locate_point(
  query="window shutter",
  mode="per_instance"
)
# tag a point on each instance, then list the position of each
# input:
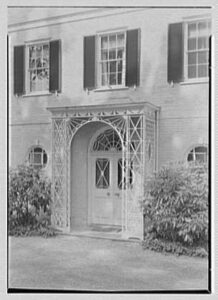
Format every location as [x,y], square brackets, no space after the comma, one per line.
[19,70]
[132,57]
[175,52]
[55,66]
[89,62]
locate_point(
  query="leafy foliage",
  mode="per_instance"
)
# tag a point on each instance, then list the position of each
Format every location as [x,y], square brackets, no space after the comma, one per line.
[29,202]
[176,207]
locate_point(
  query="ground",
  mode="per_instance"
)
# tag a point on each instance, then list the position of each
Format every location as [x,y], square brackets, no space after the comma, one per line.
[83,263]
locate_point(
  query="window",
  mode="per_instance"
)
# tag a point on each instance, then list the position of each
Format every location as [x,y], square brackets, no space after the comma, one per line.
[197,49]
[102,175]
[188,50]
[37,157]
[37,68]
[112,60]
[198,154]
[108,141]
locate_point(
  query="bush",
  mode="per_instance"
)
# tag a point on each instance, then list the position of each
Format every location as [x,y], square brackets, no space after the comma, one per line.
[29,202]
[176,207]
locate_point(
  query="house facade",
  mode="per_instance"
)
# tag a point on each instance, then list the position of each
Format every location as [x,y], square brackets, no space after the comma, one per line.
[101,98]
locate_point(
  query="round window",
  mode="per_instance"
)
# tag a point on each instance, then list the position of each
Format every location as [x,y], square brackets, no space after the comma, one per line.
[37,157]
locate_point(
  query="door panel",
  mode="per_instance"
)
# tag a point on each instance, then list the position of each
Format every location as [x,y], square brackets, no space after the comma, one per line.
[106,196]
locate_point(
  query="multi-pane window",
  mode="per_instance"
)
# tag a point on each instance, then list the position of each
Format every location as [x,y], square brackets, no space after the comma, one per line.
[198,154]
[38,67]
[112,59]
[198,48]
[37,157]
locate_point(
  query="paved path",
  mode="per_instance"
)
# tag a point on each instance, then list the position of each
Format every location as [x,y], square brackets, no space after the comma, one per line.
[79,263]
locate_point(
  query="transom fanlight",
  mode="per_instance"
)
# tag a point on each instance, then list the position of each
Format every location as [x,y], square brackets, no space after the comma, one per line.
[108,140]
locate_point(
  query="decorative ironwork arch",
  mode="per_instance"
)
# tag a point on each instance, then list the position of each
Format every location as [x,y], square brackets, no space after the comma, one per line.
[107,140]
[135,126]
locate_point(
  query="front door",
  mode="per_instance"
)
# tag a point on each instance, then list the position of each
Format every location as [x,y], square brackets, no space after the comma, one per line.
[106,196]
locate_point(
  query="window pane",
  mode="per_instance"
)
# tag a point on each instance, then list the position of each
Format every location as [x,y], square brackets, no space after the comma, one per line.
[192,30]
[104,67]
[37,158]
[104,55]
[113,67]
[119,78]
[33,81]
[38,51]
[201,149]
[112,54]
[191,71]
[120,40]
[112,41]
[112,79]
[191,44]
[104,42]
[203,43]
[120,53]
[32,63]
[192,58]
[202,28]
[44,159]
[120,65]
[102,173]
[202,70]
[104,80]
[45,51]
[190,157]
[202,57]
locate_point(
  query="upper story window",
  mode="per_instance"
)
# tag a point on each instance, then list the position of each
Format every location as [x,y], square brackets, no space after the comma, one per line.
[197,49]
[111,60]
[188,51]
[37,68]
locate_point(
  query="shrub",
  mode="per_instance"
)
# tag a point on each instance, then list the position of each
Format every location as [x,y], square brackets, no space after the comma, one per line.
[176,205]
[29,201]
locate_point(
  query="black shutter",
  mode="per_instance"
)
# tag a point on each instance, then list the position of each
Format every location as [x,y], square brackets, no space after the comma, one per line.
[19,70]
[55,66]
[132,57]
[175,52]
[89,62]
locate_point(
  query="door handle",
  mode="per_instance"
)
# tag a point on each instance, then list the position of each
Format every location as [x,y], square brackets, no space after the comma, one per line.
[117,194]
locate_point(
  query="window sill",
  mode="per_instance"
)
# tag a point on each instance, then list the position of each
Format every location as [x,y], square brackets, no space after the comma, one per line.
[36,94]
[195,81]
[108,89]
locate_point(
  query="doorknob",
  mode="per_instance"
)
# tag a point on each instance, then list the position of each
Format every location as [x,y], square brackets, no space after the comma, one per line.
[117,194]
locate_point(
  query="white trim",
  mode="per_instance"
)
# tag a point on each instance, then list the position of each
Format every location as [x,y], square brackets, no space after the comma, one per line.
[38,41]
[69,18]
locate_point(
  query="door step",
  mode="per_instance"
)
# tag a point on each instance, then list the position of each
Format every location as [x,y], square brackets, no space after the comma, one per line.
[105,228]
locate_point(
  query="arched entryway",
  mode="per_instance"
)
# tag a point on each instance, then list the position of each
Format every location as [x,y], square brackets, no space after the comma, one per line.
[105,178]
[72,131]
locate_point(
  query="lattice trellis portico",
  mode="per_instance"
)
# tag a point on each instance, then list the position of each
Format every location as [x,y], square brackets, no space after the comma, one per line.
[135,125]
